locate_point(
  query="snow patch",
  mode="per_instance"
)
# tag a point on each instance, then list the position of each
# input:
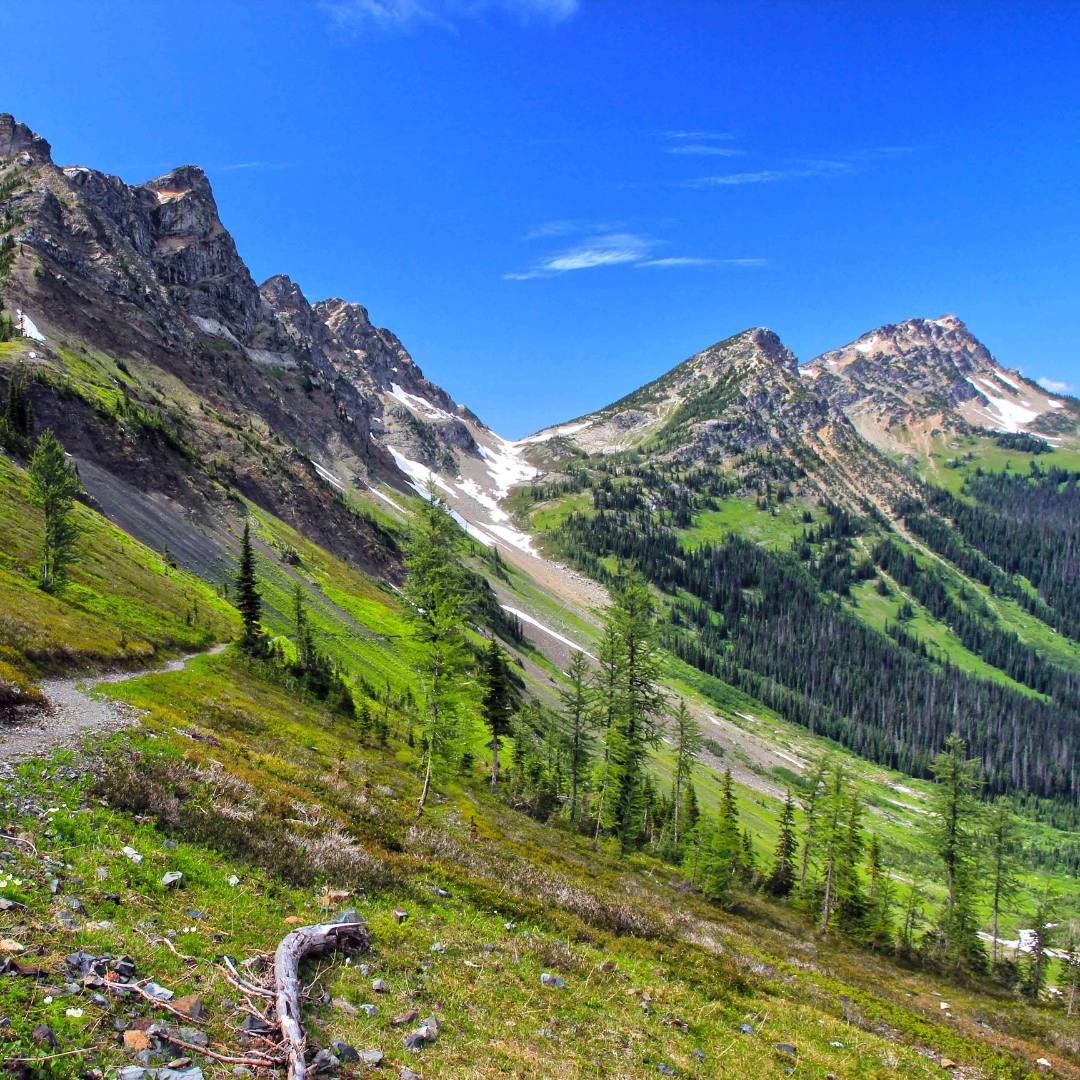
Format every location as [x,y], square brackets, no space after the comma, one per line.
[484,498]
[1005,379]
[420,476]
[27,327]
[1011,415]
[546,629]
[386,499]
[474,531]
[328,476]
[552,433]
[414,403]
[506,466]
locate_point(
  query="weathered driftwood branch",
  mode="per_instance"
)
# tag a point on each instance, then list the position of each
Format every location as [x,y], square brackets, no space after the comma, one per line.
[294,948]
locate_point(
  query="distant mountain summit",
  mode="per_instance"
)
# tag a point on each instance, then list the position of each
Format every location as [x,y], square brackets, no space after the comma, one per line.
[180,384]
[903,382]
[742,392]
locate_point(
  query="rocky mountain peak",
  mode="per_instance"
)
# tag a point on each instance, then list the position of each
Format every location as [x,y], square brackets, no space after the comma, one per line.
[349,321]
[920,376]
[19,141]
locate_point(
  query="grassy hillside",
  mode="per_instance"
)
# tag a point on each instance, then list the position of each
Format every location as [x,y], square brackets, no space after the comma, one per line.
[236,772]
[123,605]
[237,776]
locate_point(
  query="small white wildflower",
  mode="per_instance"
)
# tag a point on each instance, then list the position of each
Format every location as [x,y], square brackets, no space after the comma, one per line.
[48,999]
[73,1013]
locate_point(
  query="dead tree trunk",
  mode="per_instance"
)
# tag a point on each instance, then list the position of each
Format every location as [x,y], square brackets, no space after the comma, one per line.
[294,948]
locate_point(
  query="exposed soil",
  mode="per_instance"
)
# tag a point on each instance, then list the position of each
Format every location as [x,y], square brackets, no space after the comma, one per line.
[73,709]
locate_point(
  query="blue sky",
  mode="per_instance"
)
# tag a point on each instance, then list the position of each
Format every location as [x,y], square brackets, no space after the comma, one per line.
[552,201]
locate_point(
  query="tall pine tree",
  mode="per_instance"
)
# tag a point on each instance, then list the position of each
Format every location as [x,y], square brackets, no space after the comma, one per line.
[54,483]
[686,734]
[577,715]
[436,607]
[781,879]
[496,703]
[955,830]
[248,601]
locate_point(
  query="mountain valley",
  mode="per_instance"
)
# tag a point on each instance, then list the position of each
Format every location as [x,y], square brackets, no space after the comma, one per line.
[845,563]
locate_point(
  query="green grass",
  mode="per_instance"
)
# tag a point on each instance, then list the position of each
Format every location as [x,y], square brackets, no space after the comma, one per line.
[271,769]
[742,515]
[985,453]
[123,604]
[877,611]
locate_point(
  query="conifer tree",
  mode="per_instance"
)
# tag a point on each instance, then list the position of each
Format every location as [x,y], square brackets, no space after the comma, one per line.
[836,813]
[781,879]
[956,819]
[633,732]
[1041,938]
[1001,846]
[577,715]
[811,802]
[496,705]
[721,845]
[15,421]
[850,902]
[606,704]
[54,483]
[873,865]
[688,743]
[746,865]
[305,645]
[434,592]
[248,601]
[913,920]
[1071,976]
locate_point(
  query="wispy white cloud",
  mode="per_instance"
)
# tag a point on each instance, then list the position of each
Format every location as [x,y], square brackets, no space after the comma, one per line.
[239,166]
[678,260]
[606,249]
[569,227]
[699,136]
[1055,386]
[694,260]
[390,15]
[804,168]
[799,170]
[704,150]
[600,246]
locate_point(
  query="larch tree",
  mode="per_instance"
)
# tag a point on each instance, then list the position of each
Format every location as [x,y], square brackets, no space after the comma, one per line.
[634,732]
[1001,844]
[956,818]
[781,879]
[1042,932]
[577,715]
[811,803]
[496,703]
[54,484]
[435,599]
[686,733]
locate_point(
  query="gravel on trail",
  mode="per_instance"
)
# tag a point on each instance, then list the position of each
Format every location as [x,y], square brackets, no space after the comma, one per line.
[73,709]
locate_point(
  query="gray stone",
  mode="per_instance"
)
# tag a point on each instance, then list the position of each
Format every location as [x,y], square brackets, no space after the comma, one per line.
[556,981]
[344,1051]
